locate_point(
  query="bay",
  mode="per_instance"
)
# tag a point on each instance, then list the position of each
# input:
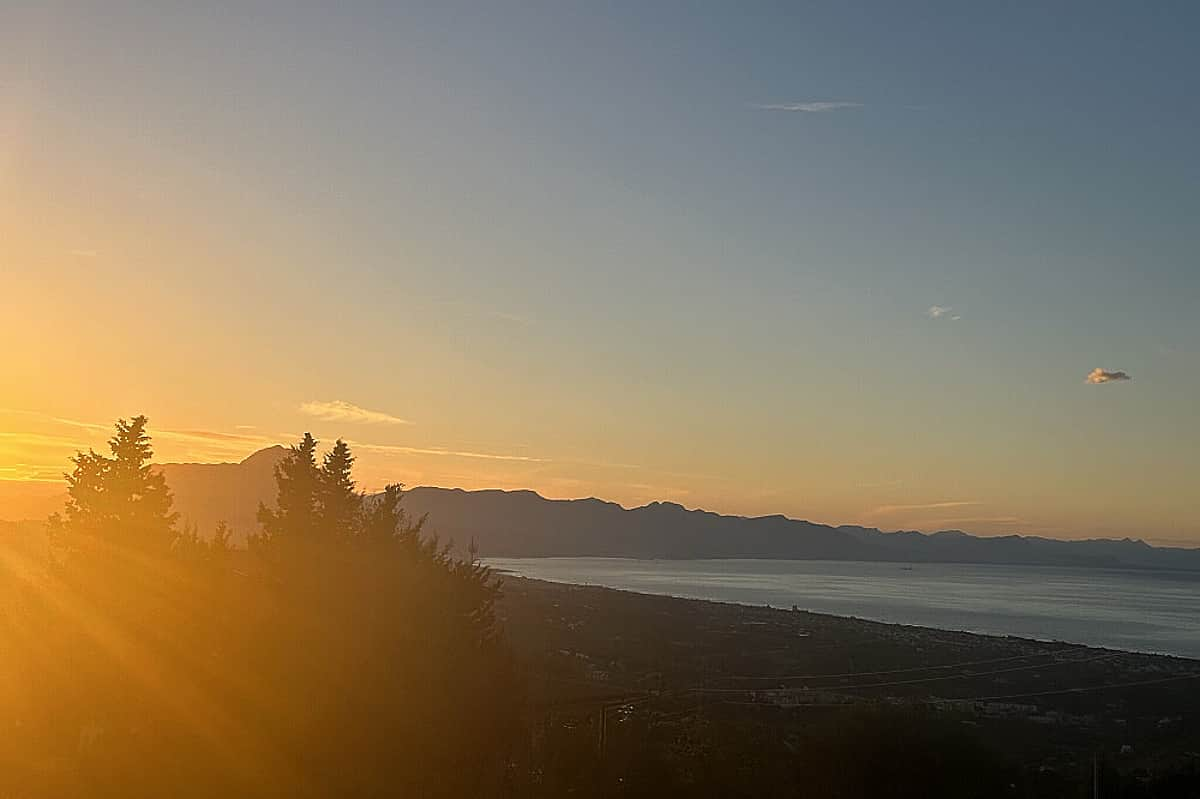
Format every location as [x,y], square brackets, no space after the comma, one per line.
[1141,611]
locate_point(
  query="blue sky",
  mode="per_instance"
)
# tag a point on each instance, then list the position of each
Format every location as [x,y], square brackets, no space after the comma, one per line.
[702,240]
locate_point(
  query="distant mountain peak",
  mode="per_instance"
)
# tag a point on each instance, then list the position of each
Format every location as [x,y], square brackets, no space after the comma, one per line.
[272,454]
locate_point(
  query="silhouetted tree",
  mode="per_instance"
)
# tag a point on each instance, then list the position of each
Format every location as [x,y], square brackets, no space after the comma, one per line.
[120,498]
[412,693]
[350,654]
[298,483]
[338,504]
[383,519]
[214,551]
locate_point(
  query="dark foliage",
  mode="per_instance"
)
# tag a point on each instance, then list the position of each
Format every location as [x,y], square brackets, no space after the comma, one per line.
[347,654]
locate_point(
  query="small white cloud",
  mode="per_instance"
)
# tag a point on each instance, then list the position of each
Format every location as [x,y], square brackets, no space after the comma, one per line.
[1098,376]
[342,411]
[820,107]
[938,311]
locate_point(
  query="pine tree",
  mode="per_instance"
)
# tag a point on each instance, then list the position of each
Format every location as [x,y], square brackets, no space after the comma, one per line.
[121,498]
[297,479]
[338,502]
[385,522]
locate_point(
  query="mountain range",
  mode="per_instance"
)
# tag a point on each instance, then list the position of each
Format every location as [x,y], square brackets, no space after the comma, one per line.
[525,524]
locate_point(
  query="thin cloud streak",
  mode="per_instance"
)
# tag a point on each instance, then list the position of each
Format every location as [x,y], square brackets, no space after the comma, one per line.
[23,473]
[213,435]
[75,423]
[886,509]
[402,450]
[820,107]
[342,411]
[969,520]
[222,441]
[40,439]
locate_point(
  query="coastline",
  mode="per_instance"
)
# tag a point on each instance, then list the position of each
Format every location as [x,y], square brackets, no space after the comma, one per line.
[1117,610]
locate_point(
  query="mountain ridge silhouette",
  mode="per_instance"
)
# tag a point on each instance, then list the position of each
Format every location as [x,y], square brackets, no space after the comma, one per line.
[522,523]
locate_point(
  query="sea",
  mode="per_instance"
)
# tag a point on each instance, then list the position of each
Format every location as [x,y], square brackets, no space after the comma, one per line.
[1140,611]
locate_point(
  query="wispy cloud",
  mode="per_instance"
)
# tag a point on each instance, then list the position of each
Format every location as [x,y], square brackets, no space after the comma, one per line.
[73,422]
[342,411]
[1098,376]
[55,438]
[83,253]
[453,453]
[233,441]
[883,510]
[819,107]
[25,473]
[44,440]
[942,312]
[972,520]
[212,435]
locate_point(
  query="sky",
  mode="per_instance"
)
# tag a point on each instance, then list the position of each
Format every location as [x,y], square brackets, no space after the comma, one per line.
[854,263]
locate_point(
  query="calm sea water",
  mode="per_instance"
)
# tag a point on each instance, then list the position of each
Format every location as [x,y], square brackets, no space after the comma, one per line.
[1133,610]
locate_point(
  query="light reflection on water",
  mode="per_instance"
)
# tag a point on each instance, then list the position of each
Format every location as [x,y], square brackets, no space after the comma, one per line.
[1124,609]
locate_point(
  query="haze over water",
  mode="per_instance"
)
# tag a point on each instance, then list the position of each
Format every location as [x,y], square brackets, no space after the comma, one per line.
[1140,611]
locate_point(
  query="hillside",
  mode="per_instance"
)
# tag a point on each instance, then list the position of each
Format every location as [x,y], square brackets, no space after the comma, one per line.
[525,524]
[207,493]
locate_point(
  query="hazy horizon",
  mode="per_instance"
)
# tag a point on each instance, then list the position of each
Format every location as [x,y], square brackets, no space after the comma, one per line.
[40,504]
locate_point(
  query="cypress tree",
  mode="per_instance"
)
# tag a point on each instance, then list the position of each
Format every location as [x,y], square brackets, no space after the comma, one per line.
[338,502]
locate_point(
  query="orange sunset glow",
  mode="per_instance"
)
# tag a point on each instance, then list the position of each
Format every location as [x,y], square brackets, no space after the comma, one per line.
[636,399]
